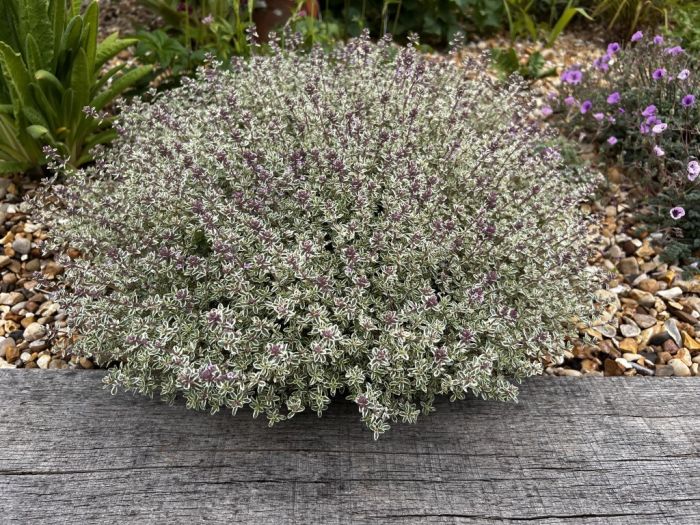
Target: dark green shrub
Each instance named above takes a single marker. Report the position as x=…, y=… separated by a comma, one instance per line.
x=52, y=88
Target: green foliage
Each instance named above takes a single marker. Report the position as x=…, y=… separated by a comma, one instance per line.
x=508, y=63
x=52, y=87
x=685, y=26
x=367, y=223
x=437, y=21
x=627, y=16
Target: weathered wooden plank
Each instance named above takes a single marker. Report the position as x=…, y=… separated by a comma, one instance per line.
x=595, y=451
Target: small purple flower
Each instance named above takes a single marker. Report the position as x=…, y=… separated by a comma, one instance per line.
x=693, y=170
x=683, y=75
x=658, y=40
x=598, y=116
x=677, y=213
x=586, y=106
x=208, y=20
x=659, y=152
x=675, y=50
x=644, y=128
x=612, y=140
x=547, y=111
x=688, y=101
x=659, y=128
x=613, y=48
x=659, y=73
x=614, y=98
x=572, y=76
x=569, y=101
x=602, y=63
x=637, y=36
x=649, y=111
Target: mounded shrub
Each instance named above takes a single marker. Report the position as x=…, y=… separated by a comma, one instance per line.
x=367, y=223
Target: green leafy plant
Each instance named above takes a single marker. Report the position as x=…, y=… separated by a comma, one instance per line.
x=52, y=87
x=685, y=26
x=381, y=226
x=630, y=15
x=523, y=21
x=507, y=62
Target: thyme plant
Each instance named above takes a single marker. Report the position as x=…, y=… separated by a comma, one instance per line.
x=365, y=223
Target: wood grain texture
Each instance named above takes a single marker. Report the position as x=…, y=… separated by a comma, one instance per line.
x=590, y=451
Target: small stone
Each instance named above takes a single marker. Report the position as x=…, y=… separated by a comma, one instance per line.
x=672, y=330
x=689, y=286
x=608, y=331
x=663, y=370
x=5, y=343
x=22, y=245
x=615, y=252
x=649, y=285
x=631, y=357
x=671, y=293
x=680, y=369
x=629, y=330
x=696, y=359
x=58, y=364
x=5, y=260
x=684, y=356
x=645, y=251
x=11, y=353
x=52, y=269
x=629, y=345
x=612, y=368
x=43, y=361
x=5, y=364
x=34, y=331
x=628, y=266
x=642, y=297
x=85, y=362
x=11, y=298
x=567, y=372
x=644, y=321
x=25, y=357
x=33, y=266
x=670, y=346
x=589, y=365
x=623, y=362
x=642, y=369
x=664, y=357
x=38, y=346
x=689, y=342
x=695, y=369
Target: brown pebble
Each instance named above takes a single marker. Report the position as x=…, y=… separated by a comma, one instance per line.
x=670, y=346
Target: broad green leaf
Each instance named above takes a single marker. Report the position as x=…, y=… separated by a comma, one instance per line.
x=91, y=25
x=33, y=54
x=46, y=106
x=15, y=73
x=81, y=81
x=45, y=77
x=122, y=83
x=58, y=15
x=34, y=116
x=71, y=36
x=67, y=107
x=106, y=76
x=35, y=22
x=75, y=7
x=37, y=132
x=8, y=167
x=564, y=20
x=110, y=47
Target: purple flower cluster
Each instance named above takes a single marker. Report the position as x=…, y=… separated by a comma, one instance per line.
x=605, y=97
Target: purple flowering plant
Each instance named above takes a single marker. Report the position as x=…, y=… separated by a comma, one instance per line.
x=641, y=108
x=385, y=227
